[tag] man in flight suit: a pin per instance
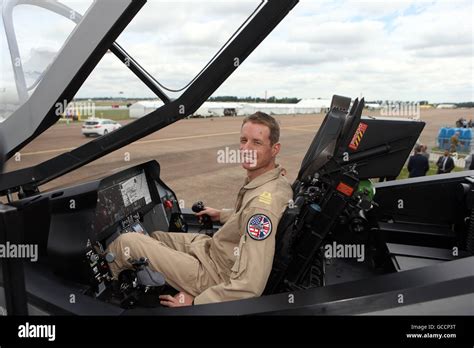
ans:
(236, 262)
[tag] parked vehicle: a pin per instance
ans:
(99, 126)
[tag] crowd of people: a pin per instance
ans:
(463, 123)
(418, 164)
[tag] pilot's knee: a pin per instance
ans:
(159, 235)
(124, 247)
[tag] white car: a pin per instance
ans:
(99, 126)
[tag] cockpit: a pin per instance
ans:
(334, 200)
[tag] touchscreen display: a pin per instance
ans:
(120, 200)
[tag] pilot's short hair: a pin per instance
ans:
(267, 120)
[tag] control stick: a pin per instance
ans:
(206, 222)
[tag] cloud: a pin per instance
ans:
(438, 28)
(335, 33)
(384, 50)
(158, 16)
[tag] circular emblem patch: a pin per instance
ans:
(259, 227)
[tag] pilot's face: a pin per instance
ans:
(255, 146)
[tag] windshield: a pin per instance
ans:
(174, 44)
(29, 46)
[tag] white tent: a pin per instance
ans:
(306, 106)
(268, 108)
(373, 106)
(446, 106)
(212, 109)
(144, 107)
(313, 105)
(218, 109)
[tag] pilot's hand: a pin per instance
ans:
(181, 299)
(214, 214)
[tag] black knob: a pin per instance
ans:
(205, 219)
(198, 206)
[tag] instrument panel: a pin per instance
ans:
(135, 200)
(120, 200)
(74, 225)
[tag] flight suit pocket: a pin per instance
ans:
(240, 262)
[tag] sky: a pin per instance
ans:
(382, 50)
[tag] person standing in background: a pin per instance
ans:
(469, 163)
(424, 151)
(454, 142)
(418, 164)
(445, 163)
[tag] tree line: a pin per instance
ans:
(271, 99)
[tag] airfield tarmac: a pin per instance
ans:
(188, 150)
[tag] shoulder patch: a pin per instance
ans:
(259, 227)
(265, 197)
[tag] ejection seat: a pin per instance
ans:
(333, 185)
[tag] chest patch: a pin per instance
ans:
(259, 227)
(265, 197)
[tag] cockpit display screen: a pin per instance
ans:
(120, 200)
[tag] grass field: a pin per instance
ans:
(461, 154)
(114, 114)
(114, 102)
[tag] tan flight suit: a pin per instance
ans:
(235, 263)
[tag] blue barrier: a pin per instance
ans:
(465, 138)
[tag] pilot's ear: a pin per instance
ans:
(276, 149)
